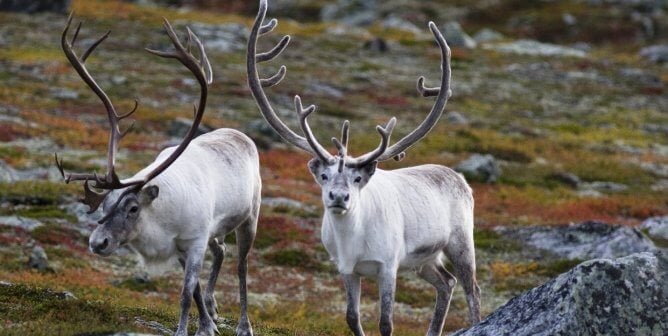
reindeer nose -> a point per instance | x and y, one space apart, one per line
98 246
339 197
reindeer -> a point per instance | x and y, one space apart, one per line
190 197
377 222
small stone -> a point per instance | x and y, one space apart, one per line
377 45
456 118
656 227
64 94
7 173
396 22
480 167
38 259
180 126
535 48
24 223
568 179
487 35
603 186
656 53
456 37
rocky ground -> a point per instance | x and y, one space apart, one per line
558 119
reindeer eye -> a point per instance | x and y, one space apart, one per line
358 179
323 177
134 209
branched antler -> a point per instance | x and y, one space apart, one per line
308 142
110 181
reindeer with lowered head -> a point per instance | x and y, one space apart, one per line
377 222
190 197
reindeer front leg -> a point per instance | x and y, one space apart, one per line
192 265
352 282
386 286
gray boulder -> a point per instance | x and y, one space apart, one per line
456 37
656 227
535 48
221 37
38 259
34 6
586 240
626 296
480 167
656 53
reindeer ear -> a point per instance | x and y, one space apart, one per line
370 168
314 166
148 194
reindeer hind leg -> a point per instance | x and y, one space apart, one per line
462 254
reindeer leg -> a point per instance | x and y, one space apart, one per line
463 258
245 237
192 265
352 282
218 251
386 288
444 282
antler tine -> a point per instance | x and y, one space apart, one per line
93 46
256 84
342 146
204 59
275 79
385 134
303 113
273 53
92 198
442 93
426 91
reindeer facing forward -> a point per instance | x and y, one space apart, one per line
191 196
377 222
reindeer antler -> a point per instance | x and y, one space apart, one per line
308 142
110 181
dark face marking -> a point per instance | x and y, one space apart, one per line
120 223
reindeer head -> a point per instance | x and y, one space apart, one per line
341 177
123 209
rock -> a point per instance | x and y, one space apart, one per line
569 19
350 12
180 126
24 223
262 134
319 88
456 37
656 168
603 186
456 118
38 259
656 227
568 179
286 203
228 37
661 185
640 77
64 94
480 167
377 45
34 6
585 240
153 325
396 22
487 35
656 53
535 48
625 296
7 173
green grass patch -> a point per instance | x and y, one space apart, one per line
36 192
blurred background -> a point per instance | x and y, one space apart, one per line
559 121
